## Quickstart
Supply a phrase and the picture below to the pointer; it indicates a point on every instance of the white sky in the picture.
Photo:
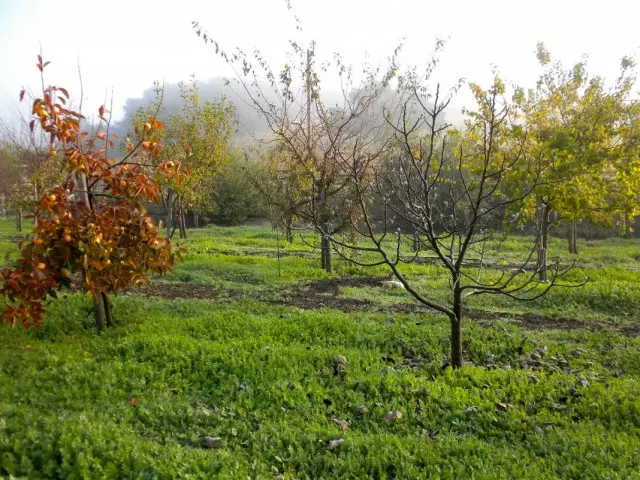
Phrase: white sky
(126, 45)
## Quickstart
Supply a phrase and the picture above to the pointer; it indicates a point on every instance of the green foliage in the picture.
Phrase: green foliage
(227, 370)
(259, 375)
(234, 197)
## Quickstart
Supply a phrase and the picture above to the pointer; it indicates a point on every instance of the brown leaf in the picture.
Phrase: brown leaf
(343, 423)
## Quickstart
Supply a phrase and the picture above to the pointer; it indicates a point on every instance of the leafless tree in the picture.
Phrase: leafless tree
(322, 141)
(453, 192)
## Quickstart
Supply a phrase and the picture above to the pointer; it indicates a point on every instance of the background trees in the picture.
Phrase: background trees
(583, 131)
(199, 134)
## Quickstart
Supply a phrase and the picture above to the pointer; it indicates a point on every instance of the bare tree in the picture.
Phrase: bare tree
(453, 191)
(322, 141)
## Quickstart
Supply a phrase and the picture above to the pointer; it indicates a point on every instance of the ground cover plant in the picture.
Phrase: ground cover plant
(287, 371)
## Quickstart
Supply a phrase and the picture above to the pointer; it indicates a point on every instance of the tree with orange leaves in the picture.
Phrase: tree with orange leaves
(94, 225)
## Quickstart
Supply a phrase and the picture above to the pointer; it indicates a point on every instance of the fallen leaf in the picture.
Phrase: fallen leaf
(343, 423)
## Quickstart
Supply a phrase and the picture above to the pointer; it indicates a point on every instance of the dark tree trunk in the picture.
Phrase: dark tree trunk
(98, 311)
(107, 309)
(325, 248)
(416, 242)
(169, 213)
(543, 243)
(195, 220)
(19, 220)
(183, 230)
(287, 229)
(456, 329)
(572, 237)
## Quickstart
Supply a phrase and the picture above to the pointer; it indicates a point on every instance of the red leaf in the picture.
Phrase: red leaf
(101, 111)
(32, 124)
(21, 94)
(64, 91)
(133, 401)
(101, 135)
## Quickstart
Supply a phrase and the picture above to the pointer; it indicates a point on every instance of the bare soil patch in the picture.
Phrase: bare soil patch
(326, 293)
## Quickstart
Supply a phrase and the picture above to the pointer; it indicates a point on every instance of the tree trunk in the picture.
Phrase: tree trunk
(19, 220)
(183, 224)
(287, 229)
(456, 329)
(543, 242)
(416, 242)
(36, 197)
(107, 309)
(169, 213)
(325, 248)
(98, 311)
(195, 219)
(573, 237)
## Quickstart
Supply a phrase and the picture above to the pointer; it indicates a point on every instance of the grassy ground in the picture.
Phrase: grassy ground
(238, 345)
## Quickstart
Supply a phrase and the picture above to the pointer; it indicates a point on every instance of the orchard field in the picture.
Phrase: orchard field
(300, 373)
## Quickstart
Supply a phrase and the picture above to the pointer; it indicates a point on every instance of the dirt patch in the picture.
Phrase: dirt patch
(533, 321)
(326, 293)
(259, 253)
(630, 331)
(190, 291)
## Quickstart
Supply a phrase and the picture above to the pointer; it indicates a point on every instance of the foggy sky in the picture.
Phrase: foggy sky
(123, 46)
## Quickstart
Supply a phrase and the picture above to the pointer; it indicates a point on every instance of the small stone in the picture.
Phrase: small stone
(340, 364)
(392, 416)
(392, 284)
(576, 352)
(362, 410)
(212, 442)
(333, 444)
(557, 407)
(583, 382)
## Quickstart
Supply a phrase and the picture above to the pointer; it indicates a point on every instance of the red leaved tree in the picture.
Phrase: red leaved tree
(93, 226)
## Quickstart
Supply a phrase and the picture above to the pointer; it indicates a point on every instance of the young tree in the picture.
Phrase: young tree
(452, 191)
(94, 223)
(323, 139)
(583, 132)
(31, 169)
(203, 129)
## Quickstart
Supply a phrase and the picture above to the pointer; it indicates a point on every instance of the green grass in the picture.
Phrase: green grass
(530, 404)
